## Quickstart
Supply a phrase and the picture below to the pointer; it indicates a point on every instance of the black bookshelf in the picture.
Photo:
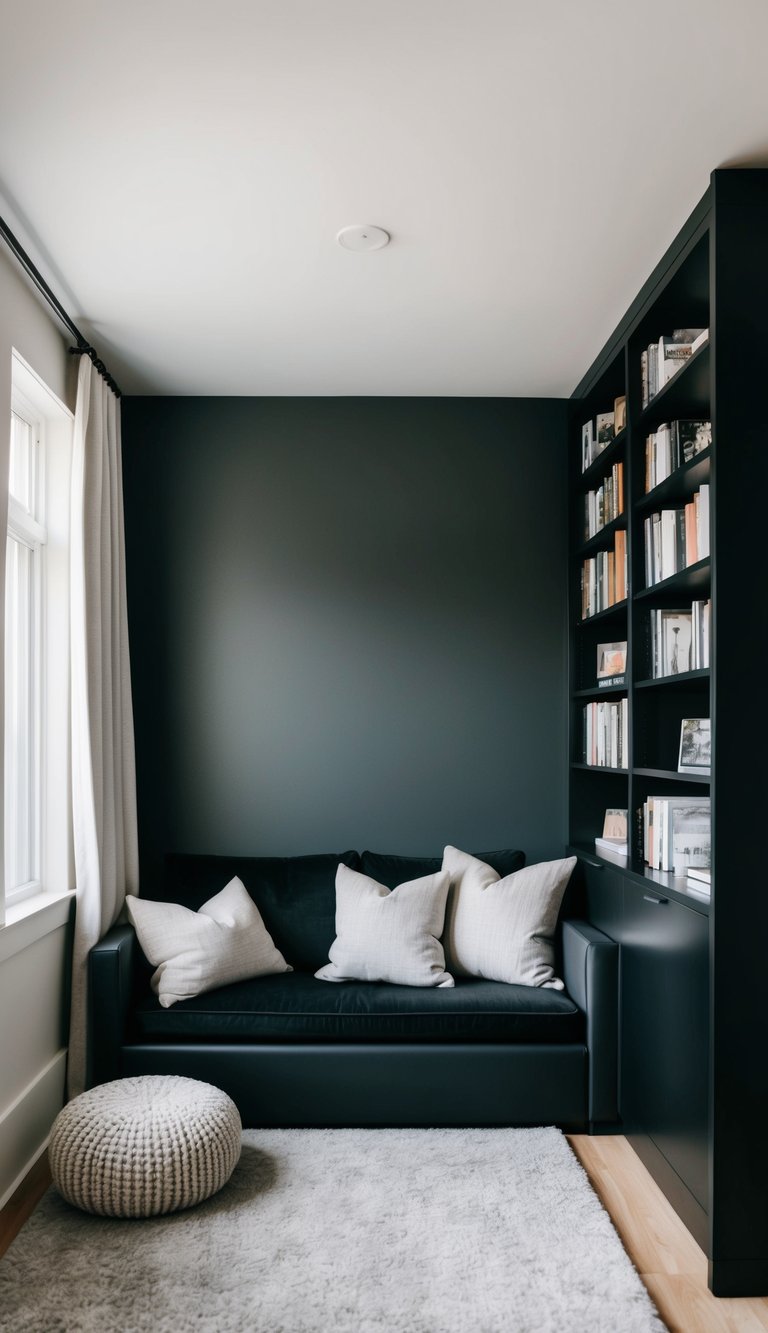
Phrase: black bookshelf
(694, 1022)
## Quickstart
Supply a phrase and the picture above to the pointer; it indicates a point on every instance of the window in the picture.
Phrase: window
(38, 856)
(23, 652)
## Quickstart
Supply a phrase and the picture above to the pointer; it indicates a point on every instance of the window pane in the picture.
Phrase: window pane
(20, 865)
(21, 480)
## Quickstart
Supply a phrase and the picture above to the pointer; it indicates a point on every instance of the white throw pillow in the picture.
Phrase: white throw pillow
(196, 951)
(503, 929)
(384, 935)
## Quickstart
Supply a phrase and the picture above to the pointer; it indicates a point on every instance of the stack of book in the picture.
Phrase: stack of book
(604, 578)
(671, 446)
(676, 538)
(606, 740)
(677, 835)
(663, 359)
(679, 640)
(606, 503)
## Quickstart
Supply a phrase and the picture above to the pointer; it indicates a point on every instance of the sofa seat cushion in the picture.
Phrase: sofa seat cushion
(296, 1007)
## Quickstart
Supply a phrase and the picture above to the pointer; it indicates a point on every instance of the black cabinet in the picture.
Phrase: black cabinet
(664, 1028)
(665, 1034)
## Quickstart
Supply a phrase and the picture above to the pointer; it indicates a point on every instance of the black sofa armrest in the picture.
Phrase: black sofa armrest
(591, 975)
(110, 989)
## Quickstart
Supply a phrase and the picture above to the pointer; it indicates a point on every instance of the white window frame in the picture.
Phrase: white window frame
(28, 529)
(48, 532)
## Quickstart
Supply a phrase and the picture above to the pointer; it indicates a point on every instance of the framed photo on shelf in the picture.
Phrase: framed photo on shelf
(611, 660)
(605, 429)
(615, 826)
(675, 642)
(619, 414)
(695, 746)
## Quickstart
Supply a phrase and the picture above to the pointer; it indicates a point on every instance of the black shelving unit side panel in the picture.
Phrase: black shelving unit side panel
(739, 1023)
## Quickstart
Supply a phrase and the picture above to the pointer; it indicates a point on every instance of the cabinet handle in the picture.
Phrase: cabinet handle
(596, 865)
(657, 902)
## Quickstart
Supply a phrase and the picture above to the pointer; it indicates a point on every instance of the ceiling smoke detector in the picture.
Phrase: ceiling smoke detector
(363, 237)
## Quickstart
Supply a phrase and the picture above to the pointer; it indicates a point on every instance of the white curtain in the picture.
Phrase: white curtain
(103, 761)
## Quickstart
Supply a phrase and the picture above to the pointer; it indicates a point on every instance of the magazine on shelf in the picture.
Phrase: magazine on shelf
(691, 837)
(612, 851)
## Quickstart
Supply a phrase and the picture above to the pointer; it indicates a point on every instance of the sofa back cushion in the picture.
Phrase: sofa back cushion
(394, 870)
(296, 895)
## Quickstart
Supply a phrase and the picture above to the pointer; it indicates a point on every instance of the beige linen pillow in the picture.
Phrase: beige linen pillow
(503, 929)
(196, 951)
(384, 935)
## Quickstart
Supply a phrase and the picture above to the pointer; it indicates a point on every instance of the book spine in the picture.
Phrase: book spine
(702, 528)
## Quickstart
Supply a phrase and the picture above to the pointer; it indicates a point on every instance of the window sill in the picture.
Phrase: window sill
(32, 919)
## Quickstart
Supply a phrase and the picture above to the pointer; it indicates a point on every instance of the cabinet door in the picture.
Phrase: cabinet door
(603, 890)
(665, 1023)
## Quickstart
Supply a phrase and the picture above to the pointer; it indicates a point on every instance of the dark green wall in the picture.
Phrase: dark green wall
(347, 623)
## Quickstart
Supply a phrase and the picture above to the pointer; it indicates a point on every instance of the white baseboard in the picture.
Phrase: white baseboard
(25, 1125)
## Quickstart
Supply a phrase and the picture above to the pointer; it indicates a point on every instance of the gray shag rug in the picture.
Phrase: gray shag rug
(355, 1231)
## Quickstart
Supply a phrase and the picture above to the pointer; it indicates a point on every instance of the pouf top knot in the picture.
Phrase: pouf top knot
(138, 1147)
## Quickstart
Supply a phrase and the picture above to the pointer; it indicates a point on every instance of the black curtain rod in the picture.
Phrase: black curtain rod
(83, 347)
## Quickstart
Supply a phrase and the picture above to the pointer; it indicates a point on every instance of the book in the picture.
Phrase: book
(663, 359)
(604, 577)
(700, 876)
(676, 538)
(698, 342)
(691, 438)
(605, 734)
(700, 615)
(612, 851)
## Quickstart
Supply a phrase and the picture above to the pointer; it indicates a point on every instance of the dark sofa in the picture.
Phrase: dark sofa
(292, 1050)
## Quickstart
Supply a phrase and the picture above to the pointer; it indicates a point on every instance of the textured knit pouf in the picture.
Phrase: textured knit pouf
(143, 1146)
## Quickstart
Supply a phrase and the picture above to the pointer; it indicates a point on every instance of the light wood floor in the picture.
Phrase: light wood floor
(665, 1254)
(663, 1251)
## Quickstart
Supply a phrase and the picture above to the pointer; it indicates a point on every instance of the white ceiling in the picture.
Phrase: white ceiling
(182, 167)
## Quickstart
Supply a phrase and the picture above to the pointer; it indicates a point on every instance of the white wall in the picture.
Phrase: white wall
(33, 977)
